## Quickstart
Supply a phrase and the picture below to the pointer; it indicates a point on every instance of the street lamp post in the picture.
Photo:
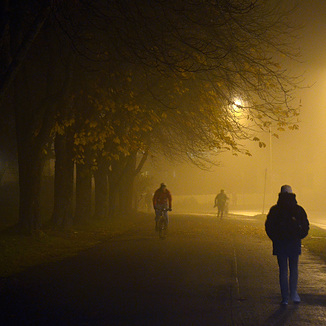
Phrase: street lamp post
(270, 171)
(271, 159)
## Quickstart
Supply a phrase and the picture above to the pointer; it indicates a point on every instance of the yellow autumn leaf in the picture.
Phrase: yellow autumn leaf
(116, 140)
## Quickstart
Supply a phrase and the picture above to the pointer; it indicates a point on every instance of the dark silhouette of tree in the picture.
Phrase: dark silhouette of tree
(229, 49)
(39, 90)
(188, 62)
(21, 23)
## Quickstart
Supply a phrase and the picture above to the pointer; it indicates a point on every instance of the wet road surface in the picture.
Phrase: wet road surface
(206, 272)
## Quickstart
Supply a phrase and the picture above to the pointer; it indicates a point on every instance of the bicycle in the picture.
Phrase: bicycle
(162, 223)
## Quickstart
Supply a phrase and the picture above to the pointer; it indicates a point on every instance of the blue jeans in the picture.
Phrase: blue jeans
(158, 210)
(286, 262)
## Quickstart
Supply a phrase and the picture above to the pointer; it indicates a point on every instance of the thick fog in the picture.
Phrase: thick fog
(297, 158)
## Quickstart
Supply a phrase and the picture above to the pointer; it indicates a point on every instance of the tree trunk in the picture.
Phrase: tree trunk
(83, 193)
(63, 182)
(38, 89)
(127, 186)
(126, 193)
(30, 163)
(132, 168)
(121, 180)
(113, 199)
(30, 174)
(114, 180)
(101, 191)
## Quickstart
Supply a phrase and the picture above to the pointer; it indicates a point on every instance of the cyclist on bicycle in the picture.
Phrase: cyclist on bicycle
(162, 200)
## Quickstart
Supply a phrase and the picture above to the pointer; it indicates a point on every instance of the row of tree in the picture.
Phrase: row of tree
(100, 85)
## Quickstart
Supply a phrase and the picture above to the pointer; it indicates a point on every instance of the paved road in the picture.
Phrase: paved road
(207, 272)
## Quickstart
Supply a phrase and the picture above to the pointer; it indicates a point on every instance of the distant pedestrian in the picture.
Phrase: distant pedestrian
(220, 202)
(286, 225)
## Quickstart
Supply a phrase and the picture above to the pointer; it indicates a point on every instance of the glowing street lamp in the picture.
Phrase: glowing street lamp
(238, 103)
(237, 107)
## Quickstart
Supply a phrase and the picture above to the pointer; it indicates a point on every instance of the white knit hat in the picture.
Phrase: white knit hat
(287, 189)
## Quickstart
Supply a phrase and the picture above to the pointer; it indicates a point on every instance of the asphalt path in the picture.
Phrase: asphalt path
(206, 272)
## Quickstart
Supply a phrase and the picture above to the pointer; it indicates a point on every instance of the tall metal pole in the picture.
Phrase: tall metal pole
(270, 171)
(271, 160)
(265, 183)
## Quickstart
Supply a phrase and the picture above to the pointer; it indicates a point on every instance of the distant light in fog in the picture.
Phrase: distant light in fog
(237, 106)
(238, 103)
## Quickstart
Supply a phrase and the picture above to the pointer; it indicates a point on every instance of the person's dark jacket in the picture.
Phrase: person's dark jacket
(286, 225)
(162, 197)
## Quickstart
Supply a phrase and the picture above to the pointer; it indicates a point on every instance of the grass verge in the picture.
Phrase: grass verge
(18, 252)
(315, 242)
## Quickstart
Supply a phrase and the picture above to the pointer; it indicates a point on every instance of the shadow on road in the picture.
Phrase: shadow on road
(281, 316)
(314, 299)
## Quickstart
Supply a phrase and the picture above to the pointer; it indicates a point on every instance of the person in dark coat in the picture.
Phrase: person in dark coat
(286, 225)
(220, 203)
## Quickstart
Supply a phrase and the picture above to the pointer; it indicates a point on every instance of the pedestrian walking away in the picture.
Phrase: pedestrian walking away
(220, 203)
(286, 224)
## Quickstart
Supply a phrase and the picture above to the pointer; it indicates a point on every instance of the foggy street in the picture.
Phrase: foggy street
(113, 109)
(206, 272)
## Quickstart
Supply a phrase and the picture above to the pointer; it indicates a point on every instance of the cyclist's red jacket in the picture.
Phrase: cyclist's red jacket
(162, 198)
